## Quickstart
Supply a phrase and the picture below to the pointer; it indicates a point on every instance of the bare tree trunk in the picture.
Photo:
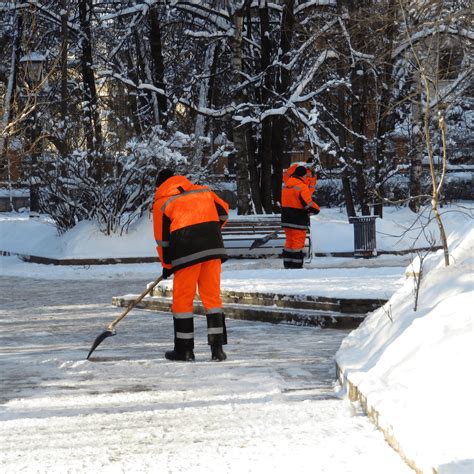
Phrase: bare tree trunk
(144, 102)
(266, 138)
(342, 128)
(342, 136)
(253, 159)
(9, 98)
(281, 132)
(93, 128)
(200, 124)
(158, 64)
(416, 169)
(253, 173)
(64, 50)
(435, 186)
(240, 131)
(385, 114)
(132, 101)
(64, 75)
(358, 81)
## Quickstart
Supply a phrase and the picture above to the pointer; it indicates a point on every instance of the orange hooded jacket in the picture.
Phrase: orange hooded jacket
(187, 221)
(297, 203)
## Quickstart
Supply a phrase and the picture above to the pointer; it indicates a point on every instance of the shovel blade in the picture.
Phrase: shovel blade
(99, 339)
(256, 243)
(263, 240)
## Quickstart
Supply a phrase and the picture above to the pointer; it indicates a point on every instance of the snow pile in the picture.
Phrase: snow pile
(415, 368)
(21, 234)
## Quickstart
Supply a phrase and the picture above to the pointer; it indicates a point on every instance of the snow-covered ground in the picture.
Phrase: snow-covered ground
(274, 404)
(330, 231)
(271, 407)
(361, 282)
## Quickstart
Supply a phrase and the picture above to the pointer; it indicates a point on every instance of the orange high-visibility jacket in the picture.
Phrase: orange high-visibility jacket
(297, 203)
(187, 221)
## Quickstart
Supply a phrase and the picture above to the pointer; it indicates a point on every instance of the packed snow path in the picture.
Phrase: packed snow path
(271, 407)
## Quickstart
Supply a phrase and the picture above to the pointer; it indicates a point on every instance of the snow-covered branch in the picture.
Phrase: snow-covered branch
(427, 32)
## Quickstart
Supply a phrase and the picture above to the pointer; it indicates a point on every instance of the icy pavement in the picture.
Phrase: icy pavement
(272, 407)
(328, 277)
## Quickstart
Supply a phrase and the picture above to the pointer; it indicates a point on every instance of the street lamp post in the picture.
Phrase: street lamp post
(33, 67)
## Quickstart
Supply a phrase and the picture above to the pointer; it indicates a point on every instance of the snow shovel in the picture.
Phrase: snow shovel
(263, 240)
(110, 331)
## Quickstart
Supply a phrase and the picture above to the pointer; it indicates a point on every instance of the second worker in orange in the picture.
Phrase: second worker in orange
(296, 205)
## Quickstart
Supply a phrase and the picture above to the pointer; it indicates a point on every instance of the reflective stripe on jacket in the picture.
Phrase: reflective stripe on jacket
(297, 203)
(187, 221)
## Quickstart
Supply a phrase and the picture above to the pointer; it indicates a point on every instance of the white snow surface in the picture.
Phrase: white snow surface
(273, 405)
(330, 232)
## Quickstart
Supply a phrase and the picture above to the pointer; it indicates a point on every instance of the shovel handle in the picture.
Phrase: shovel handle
(132, 305)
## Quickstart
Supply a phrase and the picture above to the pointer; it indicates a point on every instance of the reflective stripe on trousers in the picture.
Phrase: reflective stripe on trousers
(183, 331)
(216, 329)
(183, 325)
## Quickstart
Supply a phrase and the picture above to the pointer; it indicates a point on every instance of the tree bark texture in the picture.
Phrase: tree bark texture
(266, 134)
(9, 96)
(416, 168)
(144, 102)
(240, 131)
(64, 77)
(342, 137)
(8, 101)
(93, 128)
(158, 63)
(281, 131)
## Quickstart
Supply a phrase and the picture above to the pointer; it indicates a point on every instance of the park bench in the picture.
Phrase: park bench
(241, 231)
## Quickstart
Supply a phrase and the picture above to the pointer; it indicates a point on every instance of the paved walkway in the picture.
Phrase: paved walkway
(271, 407)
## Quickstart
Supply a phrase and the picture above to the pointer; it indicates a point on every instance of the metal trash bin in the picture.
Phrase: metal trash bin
(365, 242)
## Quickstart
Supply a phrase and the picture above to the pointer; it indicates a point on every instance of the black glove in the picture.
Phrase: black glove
(313, 211)
(166, 273)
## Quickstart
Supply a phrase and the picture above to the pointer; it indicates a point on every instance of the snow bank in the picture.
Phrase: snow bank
(415, 368)
(21, 234)
(400, 229)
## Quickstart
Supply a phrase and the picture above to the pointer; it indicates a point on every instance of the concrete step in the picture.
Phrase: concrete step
(256, 312)
(316, 303)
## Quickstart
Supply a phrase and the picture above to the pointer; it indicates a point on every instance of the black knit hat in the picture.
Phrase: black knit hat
(163, 175)
(299, 171)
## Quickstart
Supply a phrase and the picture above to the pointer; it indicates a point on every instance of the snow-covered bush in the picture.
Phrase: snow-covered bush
(70, 192)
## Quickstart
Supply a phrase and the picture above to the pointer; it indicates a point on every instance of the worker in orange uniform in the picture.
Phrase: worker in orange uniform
(296, 205)
(187, 221)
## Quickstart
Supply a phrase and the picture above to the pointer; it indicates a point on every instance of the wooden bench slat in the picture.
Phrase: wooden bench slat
(239, 233)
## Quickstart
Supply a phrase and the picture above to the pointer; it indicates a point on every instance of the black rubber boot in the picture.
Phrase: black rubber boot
(183, 339)
(218, 353)
(293, 259)
(183, 355)
(216, 335)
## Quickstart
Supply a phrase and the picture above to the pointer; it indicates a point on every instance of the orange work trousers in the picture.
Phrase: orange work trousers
(206, 276)
(295, 239)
